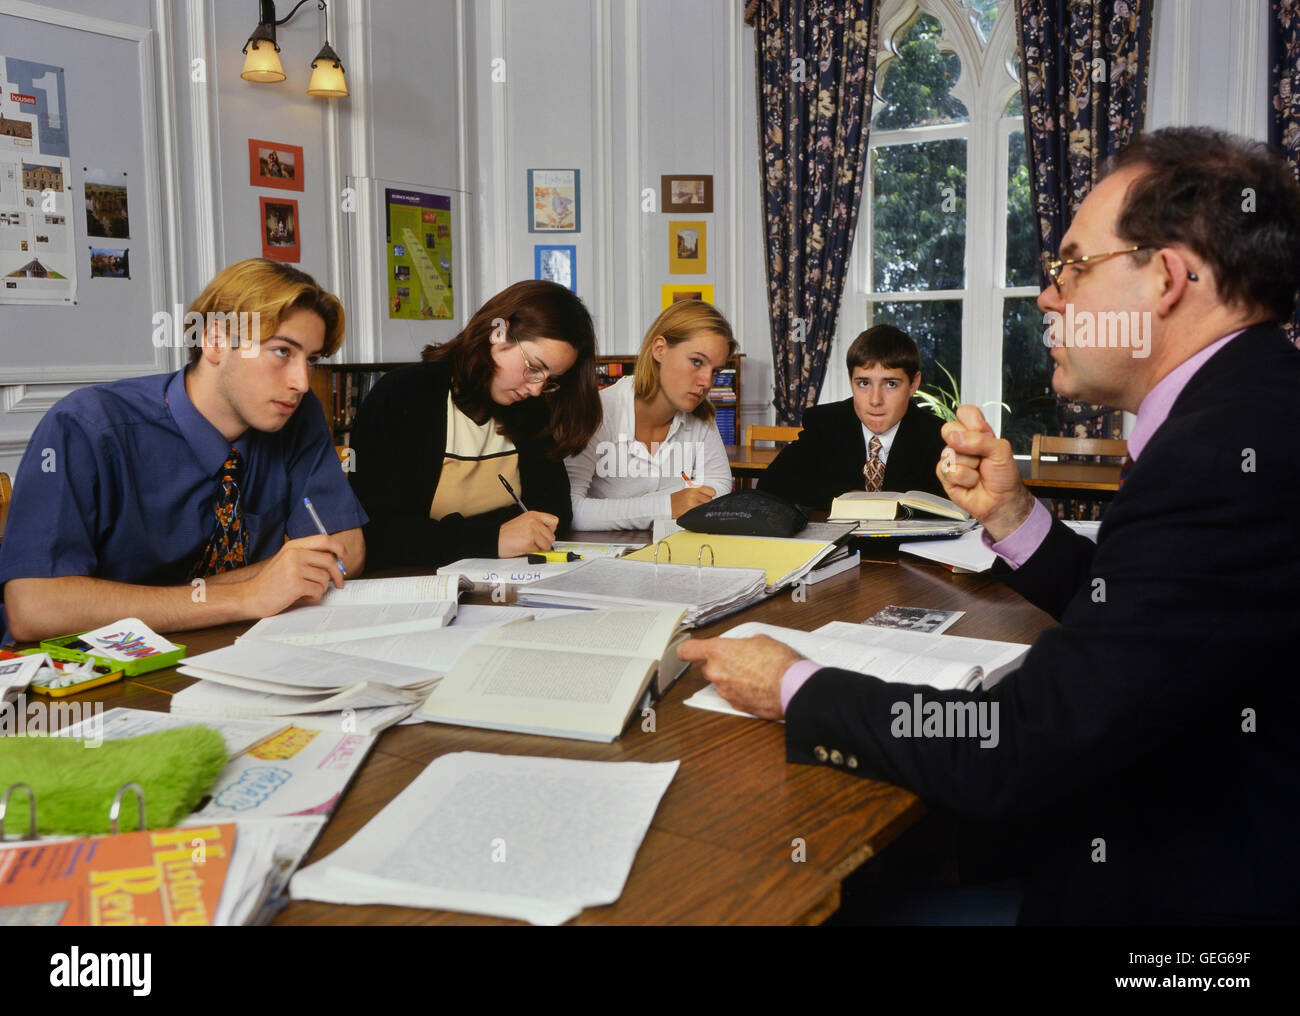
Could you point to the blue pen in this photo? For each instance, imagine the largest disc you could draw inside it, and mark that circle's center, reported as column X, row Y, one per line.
column 321, row 526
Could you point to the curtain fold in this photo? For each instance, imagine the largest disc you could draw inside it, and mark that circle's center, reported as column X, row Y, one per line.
column 816, row 62
column 1083, row 81
column 1284, row 96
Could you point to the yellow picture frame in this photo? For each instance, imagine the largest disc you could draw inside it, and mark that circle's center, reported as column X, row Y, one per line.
column 672, row 292
column 687, row 247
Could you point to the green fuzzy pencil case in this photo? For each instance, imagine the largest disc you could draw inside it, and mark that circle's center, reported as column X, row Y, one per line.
column 75, row 785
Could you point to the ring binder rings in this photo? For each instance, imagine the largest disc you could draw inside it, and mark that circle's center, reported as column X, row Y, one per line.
column 113, row 812
column 116, row 809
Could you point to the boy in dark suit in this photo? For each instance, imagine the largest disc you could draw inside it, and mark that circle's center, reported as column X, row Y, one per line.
column 876, row 440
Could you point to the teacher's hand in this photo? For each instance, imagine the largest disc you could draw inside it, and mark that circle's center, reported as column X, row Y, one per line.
column 979, row 474
column 747, row 672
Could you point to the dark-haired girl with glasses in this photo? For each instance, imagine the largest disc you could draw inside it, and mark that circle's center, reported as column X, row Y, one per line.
column 510, row 396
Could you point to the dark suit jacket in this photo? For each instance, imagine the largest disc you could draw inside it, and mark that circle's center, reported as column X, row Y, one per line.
column 1157, row 722
column 828, row 457
column 399, row 438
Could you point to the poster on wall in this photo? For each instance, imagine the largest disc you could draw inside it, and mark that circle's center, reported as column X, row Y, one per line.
column 556, row 264
column 419, row 255
column 37, row 262
column 554, row 201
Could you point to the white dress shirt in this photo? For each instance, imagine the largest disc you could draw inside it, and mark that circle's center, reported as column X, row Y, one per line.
column 616, row 483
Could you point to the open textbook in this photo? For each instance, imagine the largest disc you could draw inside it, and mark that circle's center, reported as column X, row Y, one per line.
column 534, row 839
column 950, row 662
column 366, row 608
column 581, row 675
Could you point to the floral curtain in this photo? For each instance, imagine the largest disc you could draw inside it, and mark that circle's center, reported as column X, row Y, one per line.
column 816, row 67
column 1084, row 86
column 1284, row 92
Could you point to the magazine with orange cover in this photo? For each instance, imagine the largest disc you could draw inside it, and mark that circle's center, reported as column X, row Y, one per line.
column 153, row 877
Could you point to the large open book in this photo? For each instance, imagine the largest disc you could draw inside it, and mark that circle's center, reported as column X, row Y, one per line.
column 581, row 676
column 950, row 662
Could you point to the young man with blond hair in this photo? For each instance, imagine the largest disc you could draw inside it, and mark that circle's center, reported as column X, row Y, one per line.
column 179, row 498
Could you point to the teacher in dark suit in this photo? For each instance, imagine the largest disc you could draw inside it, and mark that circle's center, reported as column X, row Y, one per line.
column 1146, row 753
column 877, row 440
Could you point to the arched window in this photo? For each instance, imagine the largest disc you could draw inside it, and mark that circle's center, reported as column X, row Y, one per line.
column 945, row 248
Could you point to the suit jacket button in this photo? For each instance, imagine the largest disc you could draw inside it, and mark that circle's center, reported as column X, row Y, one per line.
column 837, row 759
column 819, row 753
column 851, row 761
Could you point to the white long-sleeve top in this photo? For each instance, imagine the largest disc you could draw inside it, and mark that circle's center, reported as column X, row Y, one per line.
column 616, row 483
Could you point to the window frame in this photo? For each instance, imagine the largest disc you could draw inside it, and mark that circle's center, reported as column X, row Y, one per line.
column 985, row 89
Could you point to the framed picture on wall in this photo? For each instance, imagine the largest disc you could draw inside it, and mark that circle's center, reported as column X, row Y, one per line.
column 675, row 293
column 556, row 264
column 687, row 240
column 685, row 193
column 275, row 164
column 554, row 201
column 281, row 237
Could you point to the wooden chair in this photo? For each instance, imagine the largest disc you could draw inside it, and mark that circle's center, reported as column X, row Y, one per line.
column 759, row 432
column 6, row 495
column 1105, row 447
column 781, row 435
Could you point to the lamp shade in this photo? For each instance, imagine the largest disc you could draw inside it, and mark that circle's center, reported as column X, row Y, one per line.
column 261, row 62
column 327, row 75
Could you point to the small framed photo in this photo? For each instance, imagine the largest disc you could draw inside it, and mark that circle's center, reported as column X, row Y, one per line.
column 554, row 204
column 556, row 264
column 675, row 293
column 281, row 239
column 687, row 240
column 690, row 194
column 274, row 164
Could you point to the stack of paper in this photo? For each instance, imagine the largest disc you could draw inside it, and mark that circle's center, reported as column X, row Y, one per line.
column 534, row 839
column 707, row 593
column 314, row 679
column 950, row 662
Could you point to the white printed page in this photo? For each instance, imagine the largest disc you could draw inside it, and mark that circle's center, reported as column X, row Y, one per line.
column 315, row 624
column 280, row 665
column 885, row 658
column 540, row 691
column 207, row 700
column 986, row 654
column 120, row 722
column 404, row 590
column 642, row 632
column 533, row 839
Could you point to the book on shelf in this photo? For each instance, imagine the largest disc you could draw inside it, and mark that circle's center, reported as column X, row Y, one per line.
column 582, row 675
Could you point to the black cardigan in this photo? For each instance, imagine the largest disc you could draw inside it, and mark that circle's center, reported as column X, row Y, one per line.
column 399, row 439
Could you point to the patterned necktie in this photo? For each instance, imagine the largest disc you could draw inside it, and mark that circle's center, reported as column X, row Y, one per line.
column 1123, row 469
column 874, row 471
column 228, row 546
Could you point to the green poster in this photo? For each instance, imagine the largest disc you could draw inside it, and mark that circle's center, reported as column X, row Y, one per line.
column 419, row 255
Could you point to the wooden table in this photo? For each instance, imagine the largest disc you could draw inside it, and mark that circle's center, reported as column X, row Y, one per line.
column 1089, row 480
column 720, row 848
column 747, row 463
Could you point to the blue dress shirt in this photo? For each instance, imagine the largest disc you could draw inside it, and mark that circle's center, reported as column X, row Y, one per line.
column 119, row 482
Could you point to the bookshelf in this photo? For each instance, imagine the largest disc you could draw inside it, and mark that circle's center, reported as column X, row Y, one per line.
column 341, row 388
column 725, row 393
